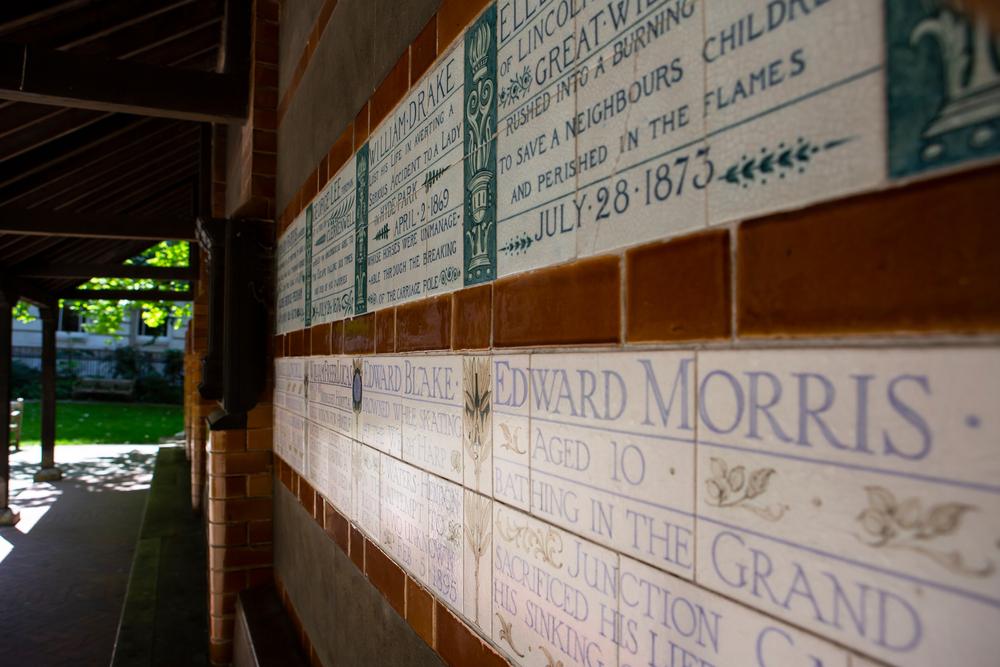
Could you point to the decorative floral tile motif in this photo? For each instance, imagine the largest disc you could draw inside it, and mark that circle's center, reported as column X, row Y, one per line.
column 794, row 103
column 477, row 422
column 943, row 86
column 333, row 245
column 477, row 577
column 612, row 451
column 863, row 480
column 554, row 595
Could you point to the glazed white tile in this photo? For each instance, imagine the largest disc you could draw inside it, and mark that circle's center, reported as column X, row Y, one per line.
column 380, row 423
column 640, row 124
column 442, row 188
column 290, row 265
column 334, row 211
column 290, row 434
column 903, row 622
column 511, row 388
column 612, row 451
column 478, row 561
column 477, row 423
column 874, row 466
column 290, row 384
column 365, row 466
column 340, row 465
column 318, row 458
column 862, row 661
column 535, row 150
column 555, row 596
column 403, row 494
column 794, row 103
column 330, row 400
column 432, row 414
column 668, row 621
column 445, row 539
column 418, row 136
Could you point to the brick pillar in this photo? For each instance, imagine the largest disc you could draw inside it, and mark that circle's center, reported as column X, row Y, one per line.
column 240, row 461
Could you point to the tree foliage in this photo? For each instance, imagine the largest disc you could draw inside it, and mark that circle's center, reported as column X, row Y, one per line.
column 106, row 317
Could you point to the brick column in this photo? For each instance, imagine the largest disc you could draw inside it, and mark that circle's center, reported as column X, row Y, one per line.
column 240, row 461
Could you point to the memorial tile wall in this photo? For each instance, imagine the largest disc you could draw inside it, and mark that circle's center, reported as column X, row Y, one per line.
column 813, row 501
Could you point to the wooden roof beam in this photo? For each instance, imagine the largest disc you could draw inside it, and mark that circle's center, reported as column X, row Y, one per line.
column 138, row 271
column 35, row 222
column 44, row 76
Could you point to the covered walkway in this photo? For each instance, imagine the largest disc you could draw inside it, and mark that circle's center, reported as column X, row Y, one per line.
column 65, row 567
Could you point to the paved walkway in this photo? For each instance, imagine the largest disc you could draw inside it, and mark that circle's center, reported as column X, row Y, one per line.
column 64, row 568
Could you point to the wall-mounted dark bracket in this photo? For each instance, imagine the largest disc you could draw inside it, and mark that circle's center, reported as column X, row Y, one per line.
column 235, row 370
column 212, row 241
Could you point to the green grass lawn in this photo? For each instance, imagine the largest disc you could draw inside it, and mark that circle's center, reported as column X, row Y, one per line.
column 88, row 423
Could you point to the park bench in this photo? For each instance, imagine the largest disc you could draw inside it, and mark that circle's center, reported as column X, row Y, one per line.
column 103, row 387
column 16, row 422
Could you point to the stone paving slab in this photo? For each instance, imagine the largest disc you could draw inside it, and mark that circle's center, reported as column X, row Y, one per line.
column 64, row 568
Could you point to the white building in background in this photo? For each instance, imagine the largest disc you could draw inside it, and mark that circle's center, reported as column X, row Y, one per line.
column 71, row 336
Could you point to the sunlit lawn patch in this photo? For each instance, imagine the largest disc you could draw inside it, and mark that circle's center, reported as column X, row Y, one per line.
column 89, row 422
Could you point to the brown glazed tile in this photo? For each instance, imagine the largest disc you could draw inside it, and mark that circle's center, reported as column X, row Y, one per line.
column 237, row 463
column 423, row 51
column 572, row 304
column 337, row 338
column 391, row 90
column 679, row 290
column 459, row 645
column 385, row 330
column 420, row 611
column 357, row 551
column 278, row 346
column 297, row 343
column 320, row 337
column 359, row 335
column 336, row 525
column 220, row 652
column 453, row 17
column 386, row 575
column 923, row 258
column 341, row 151
column 361, row 127
column 472, row 318
column 424, row 325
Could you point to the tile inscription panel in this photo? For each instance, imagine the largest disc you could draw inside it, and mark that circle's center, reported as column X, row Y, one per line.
column 674, row 507
column 558, row 129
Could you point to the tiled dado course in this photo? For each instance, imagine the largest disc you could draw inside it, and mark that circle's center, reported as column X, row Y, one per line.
column 668, row 117
column 453, row 639
column 920, row 259
column 803, row 505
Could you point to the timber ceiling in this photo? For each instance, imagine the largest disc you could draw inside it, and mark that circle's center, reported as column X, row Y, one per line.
column 78, row 165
